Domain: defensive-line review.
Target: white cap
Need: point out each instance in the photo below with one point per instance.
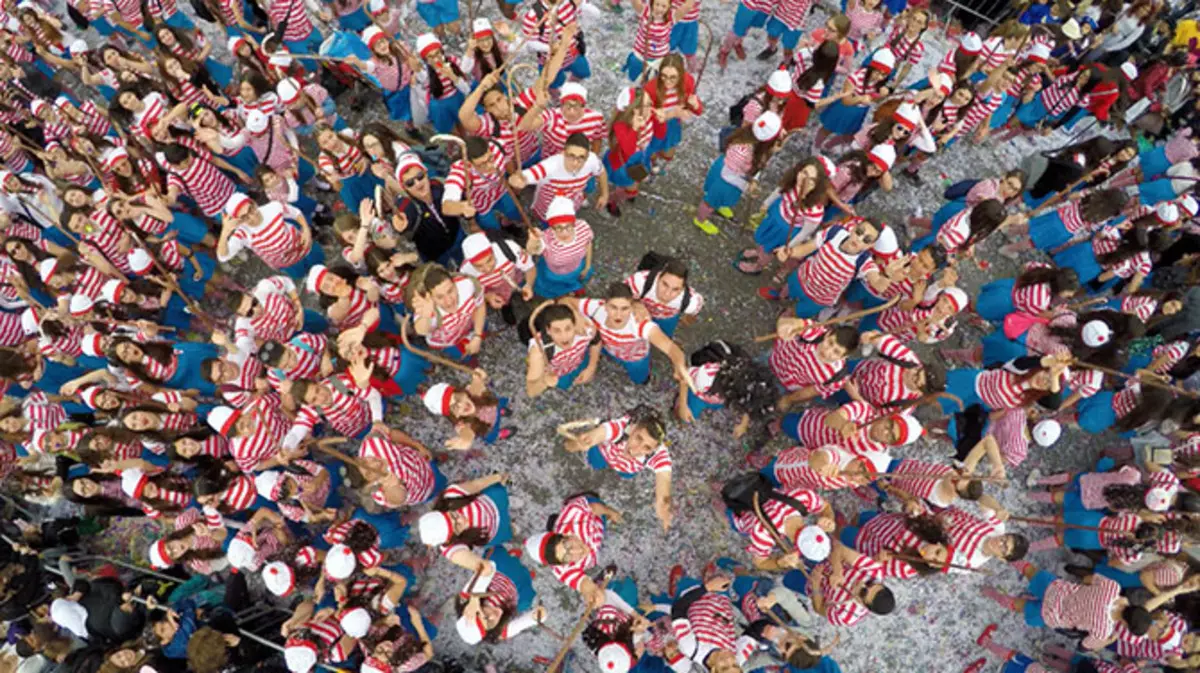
(1039, 52)
(355, 622)
(288, 90)
(92, 345)
(908, 116)
(960, 298)
(340, 562)
(831, 169)
(300, 657)
(1047, 432)
(376, 6)
(46, 268)
(1158, 499)
(437, 399)
(133, 481)
(111, 290)
(256, 121)
(265, 483)
(234, 42)
(139, 261)
(222, 418)
(372, 34)
(535, 548)
(236, 202)
(883, 156)
(560, 210)
(279, 578)
(90, 395)
(111, 156)
(158, 555)
(434, 528)
(475, 247)
(883, 60)
(240, 554)
(408, 160)
(1129, 70)
(971, 43)
(80, 304)
(625, 97)
(1167, 212)
(79, 47)
(912, 429)
(573, 90)
(886, 245)
(1096, 333)
(1189, 205)
(427, 42)
(470, 630)
(767, 127)
(70, 615)
(614, 657)
(942, 82)
(813, 543)
(312, 282)
(481, 28)
(29, 321)
(779, 84)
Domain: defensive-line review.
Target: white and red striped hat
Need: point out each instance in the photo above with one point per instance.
(1129, 70)
(241, 554)
(355, 622)
(957, 297)
(110, 157)
(813, 543)
(279, 578)
(435, 528)
(340, 562)
(1167, 212)
(910, 429)
(426, 43)
(265, 483)
(139, 261)
(625, 97)
(288, 90)
(93, 345)
(159, 558)
(560, 211)
(767, 127)
(1039, 52)
(371, 35)
(908, 116)
(405, 161)
(38, 105)
(235, 43)
(437, 398)
(111, 290)
(133, 482)
(91, 394)
(482, 28)
(970, 43)
(537, 547)
(30, 320)
(256, 121)
(831, 169)
(312, 282)
(1096, 333)
(573, 91)
(1046, 432)
(475, 247)
(1189, 205)
(471, 631)
(1158, 499)
(942, 82)
(779, 84)
(237, 203)
(46, 268)
(222, 418)
(80, 304)
(883, 60)
(883, 156)
(299, 655)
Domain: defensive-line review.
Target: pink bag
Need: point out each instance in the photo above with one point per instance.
(1016, 324)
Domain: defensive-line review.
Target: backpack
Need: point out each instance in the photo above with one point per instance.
(959, 190)
(654, 263)
(738, 494)
(716, 351)
(735, 111)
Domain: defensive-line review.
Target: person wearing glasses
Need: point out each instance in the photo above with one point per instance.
(437, 235)
(829, 263)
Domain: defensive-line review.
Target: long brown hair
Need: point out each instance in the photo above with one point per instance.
(762, 150)
(672, 60)
(159, 351)
(818, 195)
(626, 116)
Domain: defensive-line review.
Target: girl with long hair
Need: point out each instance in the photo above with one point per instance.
(673, 98)
(1074, 219)
(652, 41)
(498, 604)
(445, 81)
(195, 543)
(1115, 257)
(393, 67)
(475, 412)
(845, 114)
(794, 216)
(467, 518)
(1034, 292)
(627, 161)
(158, 495)
(747, 151)
(163, 364)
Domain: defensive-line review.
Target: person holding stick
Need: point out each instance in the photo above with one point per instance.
(467, 519)
(844, 588)
(475, 187)
(564, 252)
(556, 125)
(260, 435)
(747, 151)
(498, 603)
(566, 175)
(704, 630)
(449, 311)
(445, 81)
(278, 233)
(810, 360)
(571, 545)
(504, 270)
(828, 264)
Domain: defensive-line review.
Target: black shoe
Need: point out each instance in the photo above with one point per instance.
(767, 54)
(613, 209)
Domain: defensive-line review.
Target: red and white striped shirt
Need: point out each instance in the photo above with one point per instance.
(187, 519)
(577, 519)
(842, 608)
(486, 188)
(238, 496)
(905, 50)
(269, 430)
(1032, 299)
(409, 466)
(308, 349)
(350, 410)
(792, 13)
(343, 164)
(795, 363)
(275, 240)
(482, 514)
(710, 626)
(889, 532)
(792, 471)
(967, 533)
(1089, 608)
(925, 480)
(994, 54)
(1000, 389)
(1061, 95)
(505, 275)
(762, 543)
(566, 360)
(294, 16)
(880, 380)
(702, 378)
(204, 183)
(451, 329)
(615, 449)
(981, 108)
(825, 274)
(630, 342)
(563, 257)
(653, 38)
(502, 130)
(556, 129)
(370, 557)
(552, 179)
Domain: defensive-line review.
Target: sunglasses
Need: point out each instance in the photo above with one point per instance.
(414, 180)
(865, 234)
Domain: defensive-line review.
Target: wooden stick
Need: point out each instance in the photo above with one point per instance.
(835, 321)
(567, 429)
(508, 60)
(947, 565)
(517, 137)
(436, 359)
(707, 51)
(1053, 523)
(580, 625)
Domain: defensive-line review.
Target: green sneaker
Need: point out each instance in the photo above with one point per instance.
(706, 226)
(725, 212)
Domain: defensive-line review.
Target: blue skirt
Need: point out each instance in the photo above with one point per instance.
(998, 349)
(411, 373)
(1048, 231)
(554, 285)
(299, 270)
(188, 373)
(806, 306)
(943, 215)
(685, 39)
(443, 112)
(245, 161)
(521, 578)
(772, 232)
(355, 22)
(994, 301)
(399, 105)
(191, 229)
(1156, 191)
(698, 406)
(187, 279)
(1076, 538)
(961, 384)
(1002, 114)
(1032, 113)
(1082, 258)
(438, 12)
(1096, 412)
(717, 192)
(498, 494)
(1154, 162)
(843, 120)
(358, 187)
(494, 433)
(670, 139)
(619, 177)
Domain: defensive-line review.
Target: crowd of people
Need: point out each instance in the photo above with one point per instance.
(215, 284)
